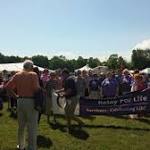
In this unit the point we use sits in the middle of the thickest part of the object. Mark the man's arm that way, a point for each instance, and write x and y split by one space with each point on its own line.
35 82
11 93
12 83
11 86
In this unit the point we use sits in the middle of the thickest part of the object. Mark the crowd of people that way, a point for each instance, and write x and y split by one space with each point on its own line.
20 87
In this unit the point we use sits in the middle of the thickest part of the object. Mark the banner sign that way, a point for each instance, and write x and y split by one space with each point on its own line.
132 103
58 105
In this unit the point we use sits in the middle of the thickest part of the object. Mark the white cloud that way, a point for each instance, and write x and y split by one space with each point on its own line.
143 45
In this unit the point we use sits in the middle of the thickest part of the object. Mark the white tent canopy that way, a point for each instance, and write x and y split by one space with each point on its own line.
86 67
146 70
100 69
14 67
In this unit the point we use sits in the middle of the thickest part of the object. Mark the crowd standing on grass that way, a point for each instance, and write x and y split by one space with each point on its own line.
19 89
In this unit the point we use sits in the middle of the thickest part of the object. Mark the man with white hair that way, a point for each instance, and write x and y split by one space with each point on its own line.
26 83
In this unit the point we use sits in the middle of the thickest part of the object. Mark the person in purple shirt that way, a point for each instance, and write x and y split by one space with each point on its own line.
109 86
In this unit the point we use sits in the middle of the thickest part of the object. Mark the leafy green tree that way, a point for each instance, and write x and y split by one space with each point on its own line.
141 58
71 64
2 58
93 62
122 64
104 63
10 59
41 61
57 62
81 62
112 61
14 59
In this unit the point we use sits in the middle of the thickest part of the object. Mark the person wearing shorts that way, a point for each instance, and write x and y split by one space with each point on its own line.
70 93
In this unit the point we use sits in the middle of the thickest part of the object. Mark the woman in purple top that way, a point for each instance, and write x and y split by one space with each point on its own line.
109 86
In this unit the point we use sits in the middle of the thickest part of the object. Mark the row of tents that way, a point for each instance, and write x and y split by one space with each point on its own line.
99 69
18 67
104 69
15 67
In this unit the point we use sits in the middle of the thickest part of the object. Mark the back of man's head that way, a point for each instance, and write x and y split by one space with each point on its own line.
28 65
65 71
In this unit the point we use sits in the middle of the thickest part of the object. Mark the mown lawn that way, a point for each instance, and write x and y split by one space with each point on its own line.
99 133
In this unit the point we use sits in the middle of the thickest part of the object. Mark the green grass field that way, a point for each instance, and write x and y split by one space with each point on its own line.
99 133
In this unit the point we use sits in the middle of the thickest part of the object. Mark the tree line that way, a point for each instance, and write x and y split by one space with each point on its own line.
140 59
